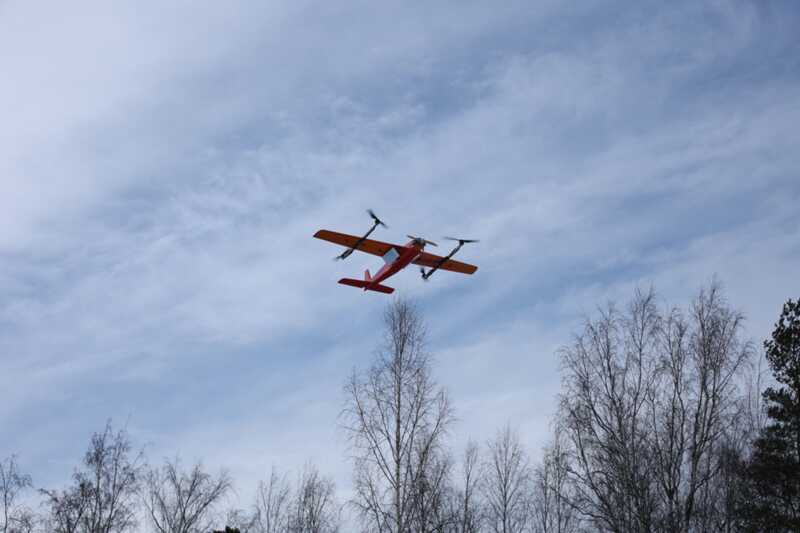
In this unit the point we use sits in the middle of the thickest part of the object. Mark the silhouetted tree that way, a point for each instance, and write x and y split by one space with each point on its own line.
273 503
14 517
66 508
103 497
241 520
552 510
507 484
314 509
468 508
608 374
396 418
772 499
179 501
649 407
431 504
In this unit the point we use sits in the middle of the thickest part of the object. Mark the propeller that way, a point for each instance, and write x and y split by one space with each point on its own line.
343 255
420 239
371 213
378 222
461 241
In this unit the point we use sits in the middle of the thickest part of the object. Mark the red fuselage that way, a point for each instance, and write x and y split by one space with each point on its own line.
409 252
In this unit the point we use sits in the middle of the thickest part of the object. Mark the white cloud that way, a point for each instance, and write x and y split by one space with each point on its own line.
165 167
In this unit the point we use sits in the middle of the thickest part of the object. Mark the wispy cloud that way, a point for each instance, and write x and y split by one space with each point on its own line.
164 168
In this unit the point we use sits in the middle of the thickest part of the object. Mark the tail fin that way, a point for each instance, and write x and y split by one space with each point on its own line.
361 284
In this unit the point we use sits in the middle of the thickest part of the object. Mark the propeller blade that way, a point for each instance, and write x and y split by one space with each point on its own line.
420 239
372 214
462 241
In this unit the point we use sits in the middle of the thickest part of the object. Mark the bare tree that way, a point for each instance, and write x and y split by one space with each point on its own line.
240 520
467 505
315 509
103 497
15 518
650 400
507 484
609 370
553 511
396 418
273 504
66 508
696 411
431 506
179 501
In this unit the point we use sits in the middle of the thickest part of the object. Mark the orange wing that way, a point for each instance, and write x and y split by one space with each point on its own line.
429 260
367 245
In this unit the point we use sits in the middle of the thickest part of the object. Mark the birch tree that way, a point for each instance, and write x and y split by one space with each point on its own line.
272 506
395 418
468 506
103 497
183 501
315 509
507 484
552 509
650 407
609 371
14 517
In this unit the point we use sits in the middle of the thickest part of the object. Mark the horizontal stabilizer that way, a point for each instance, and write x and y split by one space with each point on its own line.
361 284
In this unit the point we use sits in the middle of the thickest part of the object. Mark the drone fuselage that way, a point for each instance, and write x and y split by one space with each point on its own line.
396 263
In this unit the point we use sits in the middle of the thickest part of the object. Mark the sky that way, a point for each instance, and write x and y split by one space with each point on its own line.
163 166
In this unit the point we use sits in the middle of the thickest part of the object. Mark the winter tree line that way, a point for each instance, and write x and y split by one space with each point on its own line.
662 425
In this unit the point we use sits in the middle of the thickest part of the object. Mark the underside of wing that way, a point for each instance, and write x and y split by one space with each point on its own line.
367 245
429 260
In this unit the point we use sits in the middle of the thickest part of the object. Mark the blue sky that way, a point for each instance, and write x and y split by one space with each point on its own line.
163 167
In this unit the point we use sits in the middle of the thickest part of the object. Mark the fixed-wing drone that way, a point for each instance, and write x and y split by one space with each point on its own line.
395 256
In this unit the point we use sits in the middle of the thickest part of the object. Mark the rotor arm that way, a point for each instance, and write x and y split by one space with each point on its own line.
376 222
440 262
443 260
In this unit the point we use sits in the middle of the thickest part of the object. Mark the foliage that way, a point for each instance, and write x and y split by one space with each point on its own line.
771 500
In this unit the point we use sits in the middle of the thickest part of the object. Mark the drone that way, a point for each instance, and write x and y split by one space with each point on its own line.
395 256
